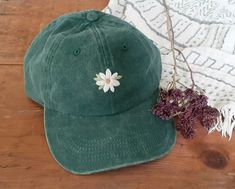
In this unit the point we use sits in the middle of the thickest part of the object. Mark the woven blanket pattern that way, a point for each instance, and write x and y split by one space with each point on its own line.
205 33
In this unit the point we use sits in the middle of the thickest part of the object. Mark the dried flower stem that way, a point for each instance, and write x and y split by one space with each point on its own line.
189 105
171 36
190 70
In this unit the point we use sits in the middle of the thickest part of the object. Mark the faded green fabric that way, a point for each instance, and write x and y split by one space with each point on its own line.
88 130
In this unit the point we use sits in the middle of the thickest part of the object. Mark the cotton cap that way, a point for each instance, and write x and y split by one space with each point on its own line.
97 78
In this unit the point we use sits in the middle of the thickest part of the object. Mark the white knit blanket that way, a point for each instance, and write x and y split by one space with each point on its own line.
205 33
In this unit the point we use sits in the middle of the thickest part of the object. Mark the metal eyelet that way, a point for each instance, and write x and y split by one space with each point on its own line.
124 47
76 52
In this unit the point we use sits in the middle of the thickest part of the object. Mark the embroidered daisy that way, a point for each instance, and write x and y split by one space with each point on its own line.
107 81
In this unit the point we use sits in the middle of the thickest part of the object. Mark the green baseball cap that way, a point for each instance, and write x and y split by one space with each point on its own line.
97 78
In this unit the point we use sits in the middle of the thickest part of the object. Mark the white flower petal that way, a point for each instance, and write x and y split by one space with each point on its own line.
106 88
119 77
112 88
108 73
100 82
97 78
114 75
102 75
115 82
107 81
101 87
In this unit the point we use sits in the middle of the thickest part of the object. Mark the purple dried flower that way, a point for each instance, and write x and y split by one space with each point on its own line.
189 106
188 111
209 116
190 94
163 110
197 112
176 94
185 126
200 101
163 95
188 132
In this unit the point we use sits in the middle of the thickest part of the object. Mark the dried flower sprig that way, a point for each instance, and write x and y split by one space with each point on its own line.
187 106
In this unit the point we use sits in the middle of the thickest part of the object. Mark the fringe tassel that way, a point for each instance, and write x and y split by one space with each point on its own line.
226 122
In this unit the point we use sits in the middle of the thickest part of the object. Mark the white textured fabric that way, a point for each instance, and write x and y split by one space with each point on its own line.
204 32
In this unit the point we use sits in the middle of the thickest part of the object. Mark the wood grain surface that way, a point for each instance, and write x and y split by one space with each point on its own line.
25 162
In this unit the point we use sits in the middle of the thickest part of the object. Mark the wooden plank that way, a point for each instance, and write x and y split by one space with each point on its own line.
25 162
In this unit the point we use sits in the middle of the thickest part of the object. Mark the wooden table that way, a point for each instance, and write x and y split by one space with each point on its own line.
25 161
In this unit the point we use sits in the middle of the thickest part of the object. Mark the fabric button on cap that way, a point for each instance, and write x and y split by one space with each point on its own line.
92 16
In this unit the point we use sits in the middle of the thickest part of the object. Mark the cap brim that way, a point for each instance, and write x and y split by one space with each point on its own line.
90 144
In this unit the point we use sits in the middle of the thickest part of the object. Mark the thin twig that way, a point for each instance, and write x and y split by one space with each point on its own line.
181 83
190 70
171 36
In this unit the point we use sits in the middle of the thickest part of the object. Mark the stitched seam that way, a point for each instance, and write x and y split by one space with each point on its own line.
95 37
110 56
49 59
102 44
59 40
112 64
